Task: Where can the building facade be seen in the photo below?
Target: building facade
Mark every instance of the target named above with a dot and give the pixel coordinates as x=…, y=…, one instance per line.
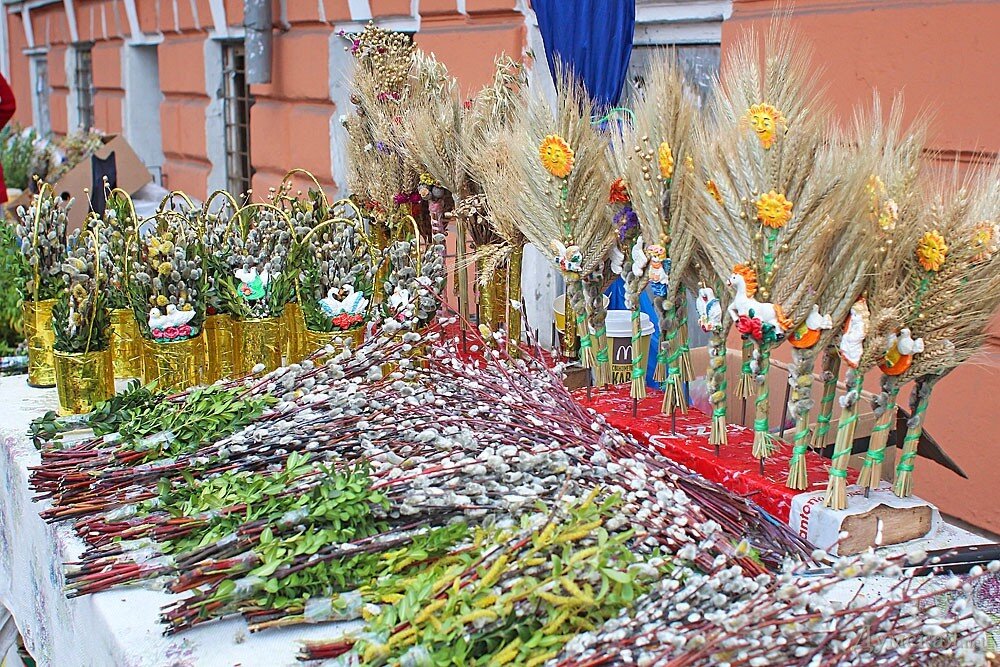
x=171, y=76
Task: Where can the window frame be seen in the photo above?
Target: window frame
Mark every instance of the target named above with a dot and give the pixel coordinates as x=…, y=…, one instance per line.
x=237, y=102
x=83, y=84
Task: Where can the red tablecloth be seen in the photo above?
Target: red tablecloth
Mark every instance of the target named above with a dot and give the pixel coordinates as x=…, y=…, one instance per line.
x=735, y=468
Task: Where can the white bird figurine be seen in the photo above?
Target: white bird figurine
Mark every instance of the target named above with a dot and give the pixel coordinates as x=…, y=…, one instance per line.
x=709, y=310
x=617, y=261
x=569, y=259
x=906, y=343
x=855, y=330
x=900, y=349
x=352, y=303
x=173, y=318
x=253, y=286
x=818, y=322
x=399, y=300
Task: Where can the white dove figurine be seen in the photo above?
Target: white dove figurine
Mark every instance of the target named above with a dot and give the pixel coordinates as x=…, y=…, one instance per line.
x=175, y=317
x=818, y=322
x=156, y=319
x=570, y=259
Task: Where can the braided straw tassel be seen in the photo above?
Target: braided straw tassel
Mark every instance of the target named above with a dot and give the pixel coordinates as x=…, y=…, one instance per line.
x=662, y=352
x=687, y=369
x=903, y=486
x=831, y=372
x=763, y=442
x=871, y=472
x=836, y=489
x=638, y=386
x=514, y=313
x=574, y=291
x=593, y=285
x=717, y=386
x=673, y=396
x=746, y=387
x=801, y=380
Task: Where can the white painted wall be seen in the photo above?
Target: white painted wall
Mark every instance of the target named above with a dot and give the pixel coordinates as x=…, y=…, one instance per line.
x=141, y=110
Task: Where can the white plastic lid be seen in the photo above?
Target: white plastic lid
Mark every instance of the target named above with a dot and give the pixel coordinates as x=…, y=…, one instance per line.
x=619, y=324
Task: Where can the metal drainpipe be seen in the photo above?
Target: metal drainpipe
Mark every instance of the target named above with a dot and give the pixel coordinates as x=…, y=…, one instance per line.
x=258, y=23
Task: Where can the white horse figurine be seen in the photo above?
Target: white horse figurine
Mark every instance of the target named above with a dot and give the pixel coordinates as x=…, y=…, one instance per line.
x=855, y=329
x=743, y=282
x=709, y=310
x=352, y=303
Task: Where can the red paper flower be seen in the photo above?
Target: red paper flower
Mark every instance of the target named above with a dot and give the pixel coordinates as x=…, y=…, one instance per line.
x=157, y=333
x=184, y=330
x=171, y=332
x=345, y=321
x=619, y=192
x=750, y=326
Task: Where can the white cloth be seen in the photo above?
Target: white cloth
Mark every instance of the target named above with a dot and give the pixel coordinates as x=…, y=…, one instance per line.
x=118, y=628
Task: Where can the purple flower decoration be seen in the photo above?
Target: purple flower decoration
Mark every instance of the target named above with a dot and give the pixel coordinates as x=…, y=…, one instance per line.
x=400, y=198
x=355, y=45
x=381, y=147
x=625, y=220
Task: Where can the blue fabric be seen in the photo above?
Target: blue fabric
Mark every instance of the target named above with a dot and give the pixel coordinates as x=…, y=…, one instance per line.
x=592, y=37
x=616, y=296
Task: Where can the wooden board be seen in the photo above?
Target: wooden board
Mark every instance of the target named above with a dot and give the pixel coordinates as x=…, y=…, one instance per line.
x=897, y=525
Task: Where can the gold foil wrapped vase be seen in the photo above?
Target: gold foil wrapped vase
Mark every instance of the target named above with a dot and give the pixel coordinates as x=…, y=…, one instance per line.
x=310, y=341
x=40, y=337
x=219, y=361
x=293, y=326
x=174, y=365
x=126, y=344
x=257, y=341
x=83, y=379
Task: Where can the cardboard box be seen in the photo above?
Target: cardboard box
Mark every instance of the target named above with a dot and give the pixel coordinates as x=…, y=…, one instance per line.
x=130, y=175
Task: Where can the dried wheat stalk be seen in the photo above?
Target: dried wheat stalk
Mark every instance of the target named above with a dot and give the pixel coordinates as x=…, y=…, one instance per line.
x=564, y=211
x=649, y=155
x=776, y=198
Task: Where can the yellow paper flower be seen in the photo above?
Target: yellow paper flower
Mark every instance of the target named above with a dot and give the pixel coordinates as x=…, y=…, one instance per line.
x=161, y=300
x=985, y=236
x=556, y=156
x=666, y=160
x=165, y=268
x=774, y=210
x=713, y=190
x=931, y=251
x=765, y=121
x=426, y=179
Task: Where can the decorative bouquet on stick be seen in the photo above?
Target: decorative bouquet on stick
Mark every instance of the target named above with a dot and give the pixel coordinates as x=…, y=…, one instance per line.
x=656, y=239
x=552, y=186
x=778, y=201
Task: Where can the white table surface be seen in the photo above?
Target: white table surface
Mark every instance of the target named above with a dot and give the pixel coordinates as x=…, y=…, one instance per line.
x=117, y=628
x=121, y=627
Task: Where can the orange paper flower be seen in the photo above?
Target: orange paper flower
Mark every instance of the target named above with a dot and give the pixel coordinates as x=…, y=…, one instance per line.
x=765, y=121
x=556, y=156
x=931, y=251
x=619, y=192
x=713, y=190
x=666, y=160
x=773, y=210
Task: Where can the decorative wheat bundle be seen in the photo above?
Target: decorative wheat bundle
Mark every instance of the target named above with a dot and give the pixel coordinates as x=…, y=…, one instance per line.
x=382, y=179
x=554, y=189
x=893, y=204
x=777, y=199
x=954, y=277
x=892, y=216
x=650, y=194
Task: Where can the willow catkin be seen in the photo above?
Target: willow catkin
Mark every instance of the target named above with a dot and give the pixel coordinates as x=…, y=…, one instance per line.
x=593, y=284
x=836, y=490
x=885, y=416
x=575, y=294
x=919, y=400
x=801, y=379
x=829, y=375
x=717, y=386
x=673, y=395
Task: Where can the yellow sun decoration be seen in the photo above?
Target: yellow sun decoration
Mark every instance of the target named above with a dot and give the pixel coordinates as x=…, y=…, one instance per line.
x=665, y=159
x=765, y=121
x=931, y=251
x=984, y=240
x=556, y=156
x=773, y=210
